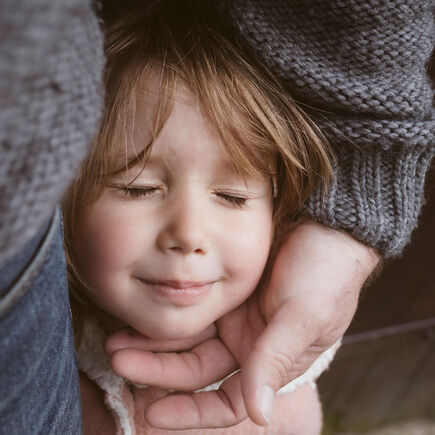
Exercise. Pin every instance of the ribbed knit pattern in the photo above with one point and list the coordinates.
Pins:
(51, 63)
(358, 68)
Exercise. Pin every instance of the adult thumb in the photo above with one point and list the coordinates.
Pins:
(278, 356)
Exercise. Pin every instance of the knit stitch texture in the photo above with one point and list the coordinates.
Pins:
(51, 63)
(358, 68)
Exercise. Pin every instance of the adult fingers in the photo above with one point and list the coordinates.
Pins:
(187, 371)
(282, 352)
(211, 409)
(128, 338)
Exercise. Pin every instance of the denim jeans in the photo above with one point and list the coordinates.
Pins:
(39, 386)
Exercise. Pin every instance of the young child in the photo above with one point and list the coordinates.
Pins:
(200, 159)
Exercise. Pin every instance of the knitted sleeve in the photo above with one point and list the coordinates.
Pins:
(51, 63)
(358, 68)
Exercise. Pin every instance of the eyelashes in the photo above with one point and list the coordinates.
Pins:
(237, 201)
(141, 192)
(137, 192)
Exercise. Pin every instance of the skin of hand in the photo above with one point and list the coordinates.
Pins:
(274, 336)
(301, 410)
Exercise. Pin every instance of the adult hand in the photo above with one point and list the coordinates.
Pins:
(274, 336)
(308, 305)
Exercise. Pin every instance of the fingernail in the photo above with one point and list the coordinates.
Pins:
(266, 402)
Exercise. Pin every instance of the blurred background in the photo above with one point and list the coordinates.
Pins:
(382, 380)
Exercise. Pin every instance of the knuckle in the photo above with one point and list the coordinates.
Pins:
(284, 363)
(193, 364)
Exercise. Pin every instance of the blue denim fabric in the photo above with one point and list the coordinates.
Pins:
(39, 386)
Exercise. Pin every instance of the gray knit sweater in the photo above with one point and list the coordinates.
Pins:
(360, 63)
(51, 100)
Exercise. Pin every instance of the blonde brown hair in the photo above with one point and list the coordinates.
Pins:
(182, 43)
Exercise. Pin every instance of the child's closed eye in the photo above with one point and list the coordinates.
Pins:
(232, 199)
(137, 191)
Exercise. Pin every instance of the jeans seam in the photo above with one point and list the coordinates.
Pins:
(19, 289)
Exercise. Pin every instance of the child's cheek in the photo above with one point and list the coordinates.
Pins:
(111, 230)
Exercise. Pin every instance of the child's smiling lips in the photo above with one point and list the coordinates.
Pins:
(182, 293)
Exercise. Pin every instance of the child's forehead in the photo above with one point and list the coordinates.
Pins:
(169, 156)
(159, 86)
(155, 106)
(154, 85)
(157, 101)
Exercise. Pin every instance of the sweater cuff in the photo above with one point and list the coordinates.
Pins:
(376, 195)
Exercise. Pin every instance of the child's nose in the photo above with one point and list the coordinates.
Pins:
(185, 230)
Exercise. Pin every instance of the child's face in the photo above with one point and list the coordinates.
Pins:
(187, 242)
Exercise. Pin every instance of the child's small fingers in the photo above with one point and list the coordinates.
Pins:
(211, 409)
(128, 338)
(186, 371)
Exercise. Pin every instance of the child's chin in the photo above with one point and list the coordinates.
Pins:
(178, 330)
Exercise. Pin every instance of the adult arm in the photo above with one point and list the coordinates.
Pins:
(358, 68)
(50, 91)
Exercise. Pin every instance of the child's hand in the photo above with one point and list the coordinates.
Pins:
(308, 304)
